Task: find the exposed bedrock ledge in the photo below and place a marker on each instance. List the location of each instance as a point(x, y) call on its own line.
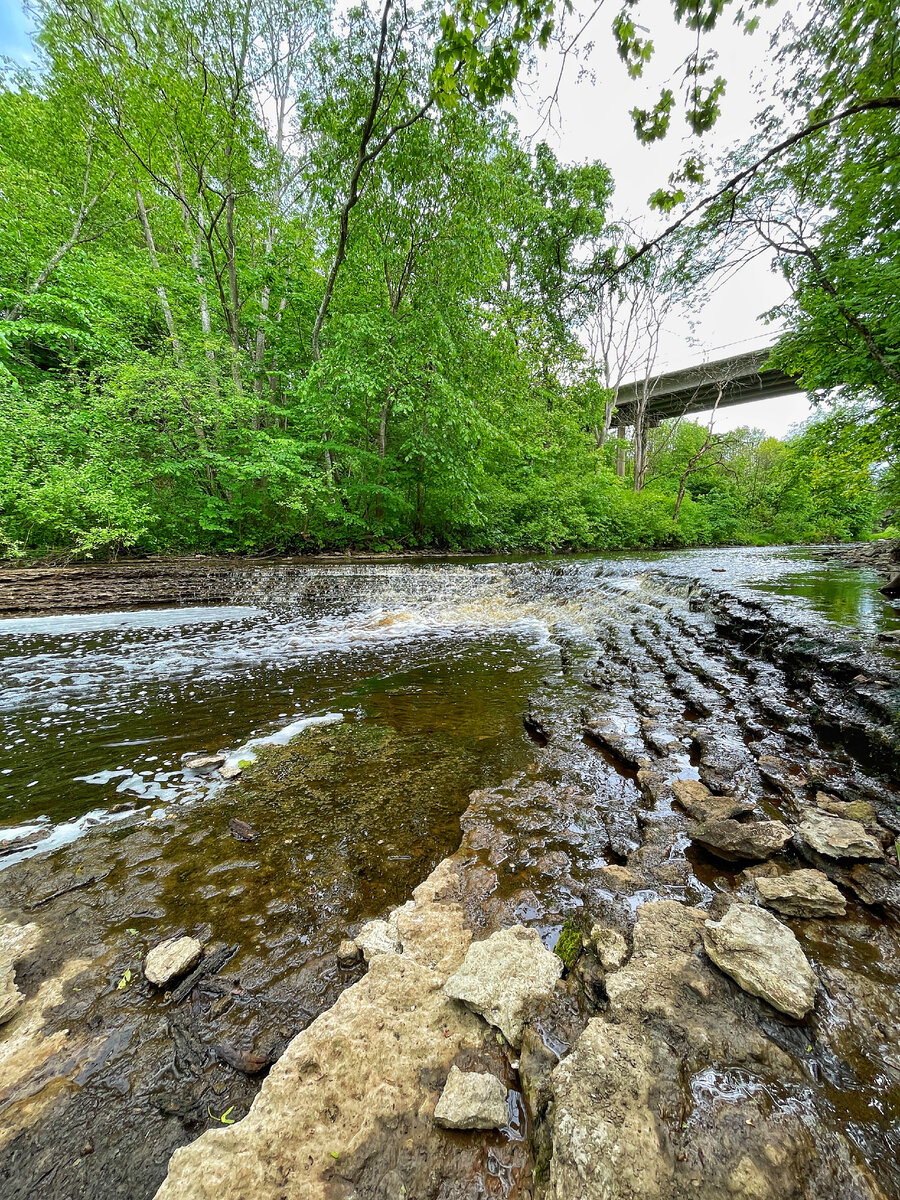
point(348, 1110)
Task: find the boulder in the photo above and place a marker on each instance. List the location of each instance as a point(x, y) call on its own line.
point(835, 837)
point(763, 957)
point(698, 802)
point(500, 976)
point(472, 1100)
point(802, 894)
point(733, 840)
point(171, 959)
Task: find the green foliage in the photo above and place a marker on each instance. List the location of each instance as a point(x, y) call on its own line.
point(176, 180)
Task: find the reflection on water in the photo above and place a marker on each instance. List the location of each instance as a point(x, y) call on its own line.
point(847, 596)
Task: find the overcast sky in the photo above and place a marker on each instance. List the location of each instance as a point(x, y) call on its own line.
point(591, 121)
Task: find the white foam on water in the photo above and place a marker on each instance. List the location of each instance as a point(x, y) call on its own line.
point(281, 737)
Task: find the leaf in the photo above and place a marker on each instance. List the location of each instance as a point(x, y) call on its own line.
point(124, 981)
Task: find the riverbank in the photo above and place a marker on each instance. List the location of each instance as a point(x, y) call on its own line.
point(663, 704)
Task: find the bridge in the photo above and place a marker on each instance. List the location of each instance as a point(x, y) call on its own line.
point(740, 377)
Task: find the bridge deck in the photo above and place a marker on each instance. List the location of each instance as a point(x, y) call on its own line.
point(694, 389)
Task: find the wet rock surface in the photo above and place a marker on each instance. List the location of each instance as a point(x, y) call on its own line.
point(763, 957)
point(732, 840)
point(836, 837)
point(471, 1100)
point(802, 894)
point(172, 959)
point(645, 1069)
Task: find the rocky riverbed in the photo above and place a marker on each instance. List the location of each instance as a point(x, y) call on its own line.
point(656, 953)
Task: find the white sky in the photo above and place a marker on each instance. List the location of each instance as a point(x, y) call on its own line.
point(591, 121)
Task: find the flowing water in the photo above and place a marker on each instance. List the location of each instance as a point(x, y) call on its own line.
point(448, 677)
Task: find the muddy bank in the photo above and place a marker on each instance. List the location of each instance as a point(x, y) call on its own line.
point(671, 703)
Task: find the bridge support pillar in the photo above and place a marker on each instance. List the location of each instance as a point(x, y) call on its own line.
point(620, 451)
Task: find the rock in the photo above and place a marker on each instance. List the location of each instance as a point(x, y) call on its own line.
point(802, 894)
point(348, 954)
point(472, 1100)
point(733, 841)
point(241, 831)
point(205, 762)
point(763, 957)
point(652, 1101)
point(612, 949)
point(698, 802)
point(835, 837)
point(230, 771)
point(378, 937)
point(850, 810)
point(15, 940)
point(357, 1083)
point(501, 975)
point(171, 959)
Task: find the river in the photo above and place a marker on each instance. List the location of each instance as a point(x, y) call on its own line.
point(440, 679)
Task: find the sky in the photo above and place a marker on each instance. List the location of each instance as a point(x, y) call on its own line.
point(591, 121)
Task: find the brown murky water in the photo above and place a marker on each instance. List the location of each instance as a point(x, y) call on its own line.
point(449, 678)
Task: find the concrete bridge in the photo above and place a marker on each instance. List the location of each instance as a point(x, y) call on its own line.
point(694, 389)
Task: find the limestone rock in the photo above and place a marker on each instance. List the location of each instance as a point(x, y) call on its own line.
point(472, 1100)
point(171, 959)
point(674, 1033)
point(734, 841)
point(835, 837)
point(330, 1106)
point(612, 949)
point(378, 937)
point(802, 894)
point(850, 810)
point(349, 953)
point(15, 940)
point(230, 771)
point(698, 802)
point(205, 762)
point(500, 975)
point(763, 957)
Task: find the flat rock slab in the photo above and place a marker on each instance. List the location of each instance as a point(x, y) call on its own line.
point(835, 837)
point(354, 1091)
point(501, 975)
point(802, 894)
point(850, 810)
point(472, 1100)
point(171, 959)
point(698, 802)
point(763, 957)
point(735, 841)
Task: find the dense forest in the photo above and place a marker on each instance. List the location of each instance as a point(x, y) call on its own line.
point(280, 277)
